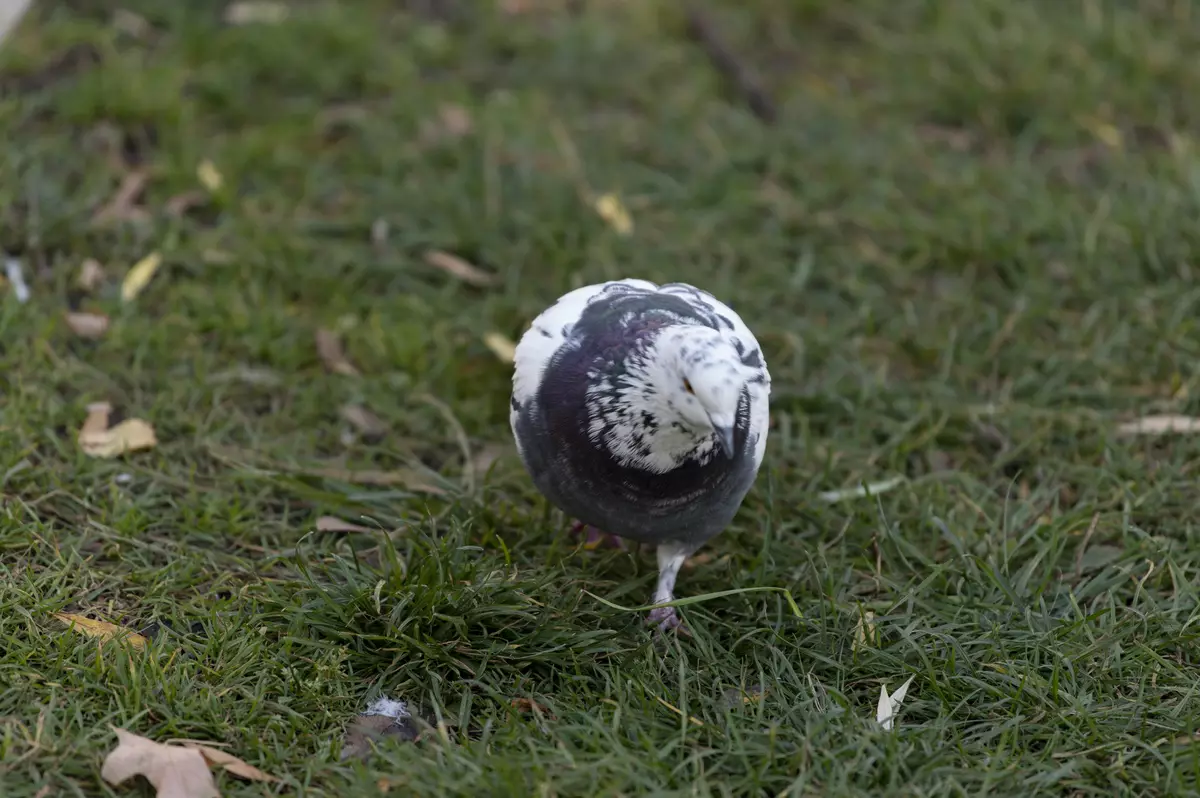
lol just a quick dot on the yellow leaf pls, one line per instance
(102, 630)
(208, 176)
(87, 325)
(503, 348)
(97, 439)
(173, 770)
(612, 210)
(139, 276)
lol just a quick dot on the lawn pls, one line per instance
(965, 234)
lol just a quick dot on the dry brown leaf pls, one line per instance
(139, 276)
(369, 425)
(329, 523)
(87, 325)
(123, 205)
(329, 347)
(43, 792)
(452, 122)
(91, 275)
(130, 23)
(256, 11)
(612, 210)
(180, 204)
(175, 771)
(456, 120)
(1160, 425)
(97, 439)
(101, 630)
(486, 456)
(501, 346)
(461, 269)
(229, 763)
(531, 706)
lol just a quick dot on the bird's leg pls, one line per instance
(670, 559)
(594, 538)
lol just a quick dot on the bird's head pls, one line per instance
(700, 379)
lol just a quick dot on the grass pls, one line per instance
(967, 246)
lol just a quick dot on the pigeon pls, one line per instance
(641, 410)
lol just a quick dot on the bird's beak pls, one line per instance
(725, 439)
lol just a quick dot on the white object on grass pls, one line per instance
(889, 705)
(11, 12)
(12, 268)
(388, 707)
(870, 489)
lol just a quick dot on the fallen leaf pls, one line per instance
(209, 176)
(180, 204)
(102, 630)
(139, 276)
(16, 277)
(130, 23)
(369, 425)
(229, 763)
(123, 205)
(531, 706)
(864, 631)
(173, 770)
(861, 491)
(91, 275)
(501, 346)
(461, 269)
(612, 210)
(328, 523)
(452, 122)
(251, 375)
(87, 325)
(1160, 425)
(256, 11)
(43, 792)
(330, 350)
(456, 120)
(97, 439)
(889, 705)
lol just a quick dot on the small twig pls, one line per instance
(701, 29)
(1087, 537)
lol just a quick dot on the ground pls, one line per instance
(966, 242)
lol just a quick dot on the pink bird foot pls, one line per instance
(594, 538)
(667, 620)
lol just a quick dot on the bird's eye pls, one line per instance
(687, 386)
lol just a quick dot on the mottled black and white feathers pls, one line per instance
(642, 410)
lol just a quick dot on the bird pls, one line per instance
(642, 410)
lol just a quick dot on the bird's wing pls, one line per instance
(548, 332)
